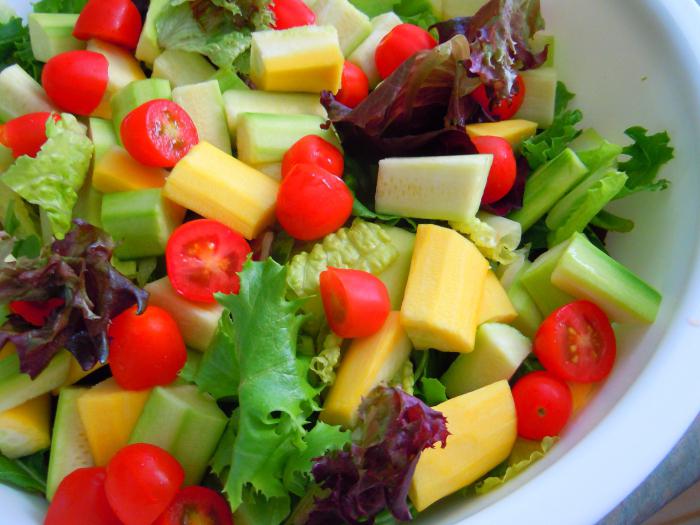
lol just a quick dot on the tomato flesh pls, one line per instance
(356, 303)
(503, 169)
(312, 149)
(291, 13)
(145, 350)
(142, 481)
(26, 135)
(36, 312)
(577, 343)
(543, 404)
(203, 257)
(354, 86)
(401, 43)
(80, 499)
(158, 133)
(76, 81)
(197, 505)
(114, 21)
(497, 108)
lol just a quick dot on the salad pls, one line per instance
(319, 262)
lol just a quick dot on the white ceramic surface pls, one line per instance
(630, 62)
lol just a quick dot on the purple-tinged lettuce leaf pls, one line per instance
(375, 472)
(76, 269)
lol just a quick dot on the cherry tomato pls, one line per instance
(312, 149)
(204, 257)
(354, 86)
(26, 135)
(197, 505)
(312, 202)
(501, 109)
(577, 343)
(36, 312)
(291, 13)
(81, 500)
(145, 350)
(503, 170)
(543, 405)
(76, 81)
(142, 481)
(399, 44)
(356, 302)
(158, 133)
(115, 21)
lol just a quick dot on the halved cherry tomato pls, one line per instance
(197, 505)
(158, 133)
(312, 149)
(543, 405)
(204, 257)
(312, 202)
(401, 43)
(577, 343)
(76, 80)
(291, 13)
(36, 312)
(354, 86)
(498, 108)
(81, 500)
(26, 135)
(503, 170)
(356, 302)
(115, 21)
(145, 350)
(142, 481)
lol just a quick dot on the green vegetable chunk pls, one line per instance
(52, 34)
(16, 387)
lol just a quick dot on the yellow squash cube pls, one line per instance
(495, 305)
(24, 430)
(444, 290)
(118, 171)
(483, 430)
(218, 186)
(514, 131)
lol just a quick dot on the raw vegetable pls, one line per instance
(135, 94)
(291, 13)
(205, 106)
(501, 109)
(199, 504)
(352, 25)
(496, 237)
(27, 474)
(15, 47)
(117, 22)
(363, 56)
(514, 131)
(26, 134)
(539, 102)
(24, 430)
(543, 404)
(402, 42)
(502, 173)
(16, 388)
(76, 81)
(82, 494)
(117, 171)
(182, 68)
(312, 149)
(52, 34)
(354, 86)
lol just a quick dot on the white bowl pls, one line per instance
(630, 62)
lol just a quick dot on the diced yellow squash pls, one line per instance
(109, 414)
(514, 131)
(444, 290)
(123, 67)
(7, 350)
(483, 430)
(304, 59)
(197, 321)
(24, 430)
(218, 186)
(495, 305)
(368, 362)
(118, 171)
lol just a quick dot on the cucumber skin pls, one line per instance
(134, 95)
(205, 105)
(16, 387)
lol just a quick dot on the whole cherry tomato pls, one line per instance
(26, 135)
(197, 505)
(115, 21)
(291, 13)
(543, 405)
(354, 86)
(401, 43)
(503, 169)
(76, 81)
(497, 108)
(312, 149)
(80, 499)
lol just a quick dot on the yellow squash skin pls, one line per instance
(220, 187)
(118, 171)
(24, 430)
(514, 131)
(444, 290)
(495, 305)
(483, 430)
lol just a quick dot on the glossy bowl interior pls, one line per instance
(630, 62)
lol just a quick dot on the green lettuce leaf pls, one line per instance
(59, 6)
(28, 473)
(432, 391)
(15, 47)
(218, 373)
(327, 360)
(562, 98)
(646, 156)
(546, 145)
(496, 237)
(53, 178)
(611, 222)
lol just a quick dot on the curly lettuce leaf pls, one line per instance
(646, 156)
(218, 373)
(496, 237)
(546, 145)
(53, 178)
(327, 360)
(15, 47)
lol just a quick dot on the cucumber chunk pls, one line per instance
(537, 280)
(70, 449)
(51, 34)
(205, 106)
(363, 56)
(395, 276)
(21, 94)
(353, 25)
(186, 423)
(17, 387)
(134, 95)
(229, 79)
(529, 317)
(540, 96)
(182, 67)
(101, 132)
(148, 49)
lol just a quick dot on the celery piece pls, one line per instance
(593, 150)
(229, 79)
(182, 67)
(101, 132)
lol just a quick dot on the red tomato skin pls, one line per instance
(312, 202)
(142, 481)
(145, 350)
(356, 303)
(35, 313)
(291, 13)
(312, 149)
(81, 500)
(158, 133)
(354, 86)
(185, 261)
(76, 81)
(557, 342)
(503, 170)
(543, 404)
(114, 21)
(401, 43)
(203, 503)
(501, 109)
(26, 135)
